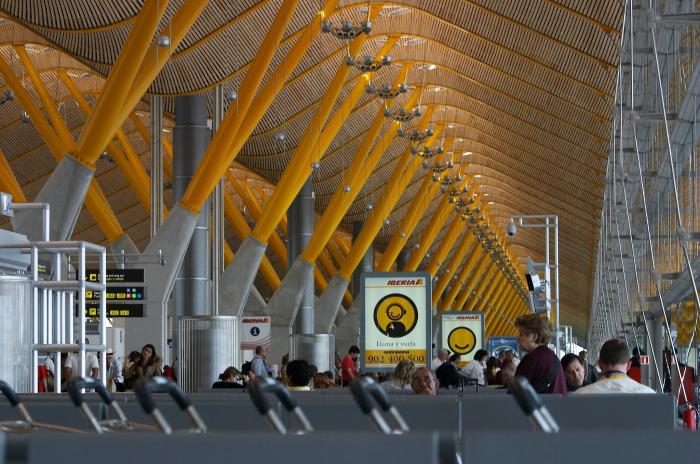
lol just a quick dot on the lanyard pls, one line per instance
(614, 375)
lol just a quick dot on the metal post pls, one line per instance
(300, 228)
(367, 263)
(156, 163)
(556, 274)
(191, 137)
(217, 206)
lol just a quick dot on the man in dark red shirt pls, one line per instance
(348, 370)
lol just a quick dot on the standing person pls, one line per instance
(348, 369)
(475, 369)
(257, 365)
(439, 359)
(614, 363)
(540, 366)
(115, 379)
(148, 365)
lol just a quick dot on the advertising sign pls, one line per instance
(396, 319)
(498, 344)
(462, 332)
(255, 330)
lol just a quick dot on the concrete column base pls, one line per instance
(172, 240)
(239, 276)
(124, 243)
(65, 192)
(329, 303)
(288, 296)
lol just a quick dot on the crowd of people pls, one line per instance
(547, 374)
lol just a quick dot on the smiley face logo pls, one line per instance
(395, 315)
(461, 340)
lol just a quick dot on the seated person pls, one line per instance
(614, 363)
(401, 379)
(423, 382)
(475, 369)
(298, 375)
(228, 379)
(573, 371)
(447, 374)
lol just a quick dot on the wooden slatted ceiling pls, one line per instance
(528, 87)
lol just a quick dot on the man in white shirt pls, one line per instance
(439, 359)
(72, 366)
(475, 369)
(614, 363)
(115, 378)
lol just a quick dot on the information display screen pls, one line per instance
(396, 319)
(462, 332)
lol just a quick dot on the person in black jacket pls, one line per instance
(447, 374)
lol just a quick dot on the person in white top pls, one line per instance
(510, 357)
(439, 359)
(475, 369)
(72, 366)
(402, 378)
(614, 363)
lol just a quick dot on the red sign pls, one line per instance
(644, 360)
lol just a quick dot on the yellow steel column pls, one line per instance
(448, 240)
(237, 125)
(8, 181)
(390, 195)
(167, 147)
(248, 198)
(511, 301)
(299, 168)
(240, 227)
(466, 292)
(432, 231)
(342, 200)
(59, 126)
(95, 201)
(491, 310)
(488, 289)
(156, 57)
(127, 161)
(451, 268)
(487, 278)
(515, 308)
(503, 294)
(420, 203)
(104, 120)
(461, 278)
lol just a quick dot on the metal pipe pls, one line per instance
(217, 206)
(156, 163)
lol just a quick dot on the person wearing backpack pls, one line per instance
(541, 367)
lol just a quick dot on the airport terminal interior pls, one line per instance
(349, 231)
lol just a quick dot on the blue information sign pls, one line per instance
(497, 344)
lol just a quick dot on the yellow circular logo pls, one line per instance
(461, 340)
(395, 315)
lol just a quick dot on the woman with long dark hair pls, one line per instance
(146, 366)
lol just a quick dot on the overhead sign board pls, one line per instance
(462, 332)
(116, 276)
(396, 319)
(498, 344)
(92, 309)
(123, 299)
(255, 330)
